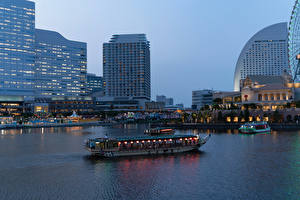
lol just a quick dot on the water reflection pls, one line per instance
(54, 165)
(118, 130)
(52, 130)
(142, 176)
(137, 159)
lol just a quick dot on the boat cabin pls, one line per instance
(139, 143)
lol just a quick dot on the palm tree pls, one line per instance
(199, 116)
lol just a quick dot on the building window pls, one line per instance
(278, 97)
(259, 97)
(266, 97)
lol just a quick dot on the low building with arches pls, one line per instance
(269, 92)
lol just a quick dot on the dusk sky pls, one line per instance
(194, 43)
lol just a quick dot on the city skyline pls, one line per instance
(173, 54)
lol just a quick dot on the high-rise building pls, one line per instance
(294, 42)
(169, 102)
(126, 66)
(266, 53)
(200, 98)
(17, 39)
(94, 83)
(164, 99)
(61, 65)
(161, 98)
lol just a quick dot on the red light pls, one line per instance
(131, 142)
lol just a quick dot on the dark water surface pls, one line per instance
(51, 163)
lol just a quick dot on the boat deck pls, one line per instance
(162, 137)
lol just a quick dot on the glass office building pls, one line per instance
(17, 54)
(61, 65)
(94, 83)
(294, 42)
(126, 66)
(266, 53)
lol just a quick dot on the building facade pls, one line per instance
(268, 91)
(12, 105)
(169, 102)
(119, 104)
(165, 100)
(61, 65)
(155, 106)
(200, 98)
(227, 98)
(161, 98)
(294, 42)
(17, 41)
(65, 105)
(126, 67)
(266, 53)
(94, 83)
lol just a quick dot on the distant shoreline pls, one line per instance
(227, 126)
(49, 125)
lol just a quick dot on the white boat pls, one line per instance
(255, 127)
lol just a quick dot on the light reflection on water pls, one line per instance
(51, 163)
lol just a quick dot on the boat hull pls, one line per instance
(160, 151)
(254, 131)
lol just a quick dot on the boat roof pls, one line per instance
(255, 123)
(159, 128)
(145, 138)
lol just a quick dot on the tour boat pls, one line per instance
(159, 131)
(255, 127)
(144, 145)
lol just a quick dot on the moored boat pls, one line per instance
(159, 131)
(255, 127)
(144, 145)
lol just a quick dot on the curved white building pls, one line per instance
(266, 53)
(294, 41)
